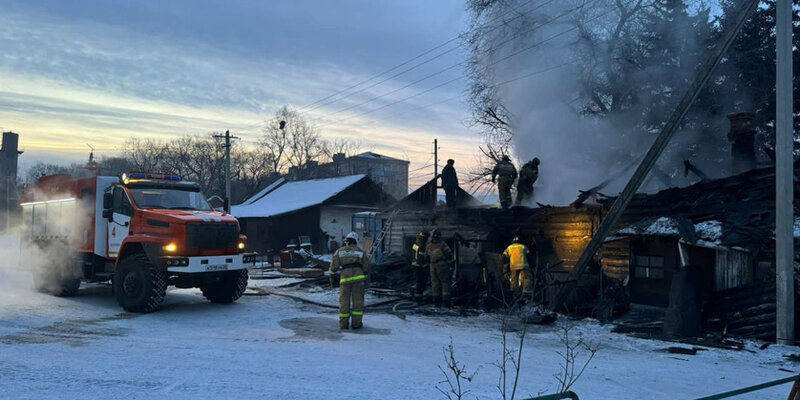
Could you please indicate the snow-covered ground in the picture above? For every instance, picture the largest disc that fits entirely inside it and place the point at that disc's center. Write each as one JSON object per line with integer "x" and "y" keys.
{"x": 270, "y": 347}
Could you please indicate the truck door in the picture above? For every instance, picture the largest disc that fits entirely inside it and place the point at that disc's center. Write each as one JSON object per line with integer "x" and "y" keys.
{"x": 119, "y": 226}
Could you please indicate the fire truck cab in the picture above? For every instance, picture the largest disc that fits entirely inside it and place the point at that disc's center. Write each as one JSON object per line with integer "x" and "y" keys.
{"x": 142, "y": 231}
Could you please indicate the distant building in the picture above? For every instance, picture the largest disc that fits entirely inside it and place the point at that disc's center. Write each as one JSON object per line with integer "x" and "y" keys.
{"x": 388, "y": 172}
{"x": 321, "y": 209}
{"x": 9, "y": 195}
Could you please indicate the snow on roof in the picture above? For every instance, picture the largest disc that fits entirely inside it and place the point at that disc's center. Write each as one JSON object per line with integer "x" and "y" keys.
{"x": 663, "y": 226}
{"x": 293, "y": 196}
{"x": 264, "y": 191}
{"x": 709, "y": 232}
{"x": 376, "y": 156}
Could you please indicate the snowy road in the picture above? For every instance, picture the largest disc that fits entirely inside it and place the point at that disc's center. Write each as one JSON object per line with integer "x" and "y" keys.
{"x": 271, "y": 347}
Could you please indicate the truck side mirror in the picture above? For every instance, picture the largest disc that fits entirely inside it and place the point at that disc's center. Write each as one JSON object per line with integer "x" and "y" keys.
{"x": 108, "y": 214}
{"x": 108, "y": 201}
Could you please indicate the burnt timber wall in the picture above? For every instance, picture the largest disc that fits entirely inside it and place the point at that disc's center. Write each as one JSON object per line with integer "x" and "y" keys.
{"x": 566, "y": 230}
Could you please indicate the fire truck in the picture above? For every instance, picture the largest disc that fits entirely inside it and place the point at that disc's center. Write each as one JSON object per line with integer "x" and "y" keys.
{"x": 141, "y": 231}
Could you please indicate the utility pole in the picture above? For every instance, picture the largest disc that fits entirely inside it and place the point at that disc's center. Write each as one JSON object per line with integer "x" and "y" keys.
{"x": 435, "y": 172}
{"x": 784, "y": 174}
{"x": 227, "y": 138}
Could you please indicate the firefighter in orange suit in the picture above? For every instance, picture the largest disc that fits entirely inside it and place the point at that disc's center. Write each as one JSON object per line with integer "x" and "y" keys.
{"x": 441, "y": 260}
{"x": 517, "y": 268}
{"x": 353, "y": 263}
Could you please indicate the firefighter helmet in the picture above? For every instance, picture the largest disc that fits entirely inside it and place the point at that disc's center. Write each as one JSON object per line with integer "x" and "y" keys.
{"x": 352, "y": 236}
{"x": 436, "y": 235}
{"x": 535, "y": 161}
{"x": 515, "y": 239}
{"x": 423, "y": 234}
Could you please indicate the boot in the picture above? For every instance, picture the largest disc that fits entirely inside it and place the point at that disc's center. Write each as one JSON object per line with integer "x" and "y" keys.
{"x": 344, "y": 323}
{"x": 437, "y": 301}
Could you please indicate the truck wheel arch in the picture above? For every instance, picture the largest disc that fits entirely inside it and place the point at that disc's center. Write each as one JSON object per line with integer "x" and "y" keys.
{"x": 130, "y": 248}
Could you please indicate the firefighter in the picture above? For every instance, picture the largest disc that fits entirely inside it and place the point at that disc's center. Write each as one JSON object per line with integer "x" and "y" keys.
{"x": 528, "y": 174}
{"x": 441, "y": 259}
{"x": 420, "y": 265}
{"x": 504, "y": 174}
{"x": 450, "y": 183}
{"x": 353, "y": 263}
{"x": 517, "y": 268}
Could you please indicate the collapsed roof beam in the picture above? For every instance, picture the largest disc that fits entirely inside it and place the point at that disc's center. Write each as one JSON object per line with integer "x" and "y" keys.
{"x": 704, "y": 74}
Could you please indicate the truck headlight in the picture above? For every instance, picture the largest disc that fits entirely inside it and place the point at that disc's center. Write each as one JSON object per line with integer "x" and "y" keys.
{"x": 241, "y": 245}
{"x": 171, "y": 248}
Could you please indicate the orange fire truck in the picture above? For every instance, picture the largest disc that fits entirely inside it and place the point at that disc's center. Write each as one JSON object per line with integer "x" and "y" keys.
{"x": 142, "y": 231}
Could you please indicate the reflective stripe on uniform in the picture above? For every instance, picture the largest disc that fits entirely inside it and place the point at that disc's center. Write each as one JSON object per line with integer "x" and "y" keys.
{"x": 352, "y": 278}
{"x": 358, "y": 313}
{"x": 343, "y": 315}
{"x": 351, "y": 253}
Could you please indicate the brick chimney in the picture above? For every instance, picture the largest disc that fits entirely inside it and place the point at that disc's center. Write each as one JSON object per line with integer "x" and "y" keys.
{"x": 742, "y": 138}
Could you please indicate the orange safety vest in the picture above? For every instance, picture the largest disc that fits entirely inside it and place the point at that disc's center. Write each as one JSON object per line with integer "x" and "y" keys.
{"x": 518, "y": 256}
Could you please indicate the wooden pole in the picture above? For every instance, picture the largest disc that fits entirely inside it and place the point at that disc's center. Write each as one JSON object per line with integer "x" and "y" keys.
{"x": 784, "y": 174}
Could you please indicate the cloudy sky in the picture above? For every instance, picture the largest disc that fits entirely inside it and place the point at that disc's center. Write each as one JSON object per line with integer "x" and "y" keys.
{"x": 98, "y": 72}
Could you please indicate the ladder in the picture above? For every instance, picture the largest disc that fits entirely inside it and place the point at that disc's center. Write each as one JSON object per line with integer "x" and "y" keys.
{"x": 384, "y": 231}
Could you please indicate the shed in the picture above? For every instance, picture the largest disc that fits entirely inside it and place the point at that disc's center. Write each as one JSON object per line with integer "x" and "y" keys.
{"x": 320, "y": 208}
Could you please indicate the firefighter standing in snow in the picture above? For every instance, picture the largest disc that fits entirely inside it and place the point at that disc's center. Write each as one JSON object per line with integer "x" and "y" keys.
{"x": 353, "y": 263}
{"x": 441, "y": 258}
{"x": 420, "y": 265}
{"x": 504, "y": 173}
{"x": 517, "y": 268}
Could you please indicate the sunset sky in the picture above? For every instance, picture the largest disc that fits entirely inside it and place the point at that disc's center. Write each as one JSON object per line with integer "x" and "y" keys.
{"x": 99, "y": 72}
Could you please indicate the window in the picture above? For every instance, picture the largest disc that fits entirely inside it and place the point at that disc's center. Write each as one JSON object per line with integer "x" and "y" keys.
{"x": 122, "y": 205}
{"x": 651, "y": 267}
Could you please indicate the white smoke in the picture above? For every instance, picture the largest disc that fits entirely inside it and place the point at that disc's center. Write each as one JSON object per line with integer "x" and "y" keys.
{"x": 578, "y": 152}
{"x": 32, "y": 260}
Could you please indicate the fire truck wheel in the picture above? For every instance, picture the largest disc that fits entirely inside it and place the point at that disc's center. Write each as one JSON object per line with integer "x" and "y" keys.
{"x": 228, "y": 289}
{"x": 138, "y": 285}
{"x": 68, "y": 287}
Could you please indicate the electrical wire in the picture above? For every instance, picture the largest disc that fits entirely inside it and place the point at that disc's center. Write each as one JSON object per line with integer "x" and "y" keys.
{"x": 414, "y": 58}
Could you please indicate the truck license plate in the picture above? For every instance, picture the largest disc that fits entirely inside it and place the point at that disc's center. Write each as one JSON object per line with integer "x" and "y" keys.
{"x": 217, "y": 267}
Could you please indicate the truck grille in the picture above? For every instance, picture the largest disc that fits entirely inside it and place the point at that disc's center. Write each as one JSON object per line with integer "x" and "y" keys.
{"x": 205, "y": 236}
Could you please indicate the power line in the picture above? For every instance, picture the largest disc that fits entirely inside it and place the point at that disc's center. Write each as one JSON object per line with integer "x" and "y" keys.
{"x": 317, "y": 105}
{"x": 495, "y": 62}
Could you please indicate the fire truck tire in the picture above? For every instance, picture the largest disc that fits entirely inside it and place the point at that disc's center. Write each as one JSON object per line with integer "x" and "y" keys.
{"x": 139, "y": 286}
{"x": 228, "y": 289}
{"x": 68, "y": 287}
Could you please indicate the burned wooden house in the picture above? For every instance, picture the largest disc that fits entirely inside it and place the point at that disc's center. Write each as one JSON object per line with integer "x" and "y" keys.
{"x": 721, "y": 228}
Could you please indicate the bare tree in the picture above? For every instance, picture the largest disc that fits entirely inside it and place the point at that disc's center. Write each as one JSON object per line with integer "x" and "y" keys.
{"x": 341, "y": 145}
{"x": 290, "y": 140}
{"x": 455, "y": 376}
{"x": 574, "y": 349}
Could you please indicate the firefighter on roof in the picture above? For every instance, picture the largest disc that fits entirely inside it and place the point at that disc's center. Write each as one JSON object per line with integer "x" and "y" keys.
{"x": 528, "y": 175}
{"x": 517, "y": 268}
{"x": 420, "y": 265}
{"x": 441, "y": 260}
{"x": 504, "y": 173}
{"x": 353, "y": 263}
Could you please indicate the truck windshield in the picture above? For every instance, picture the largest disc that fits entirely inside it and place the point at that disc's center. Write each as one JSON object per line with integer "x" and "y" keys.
{"x": 170, "y": 199}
